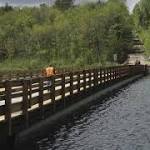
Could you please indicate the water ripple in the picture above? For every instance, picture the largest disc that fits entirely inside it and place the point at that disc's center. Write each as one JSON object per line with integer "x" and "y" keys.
{"x": 121, "y": 123}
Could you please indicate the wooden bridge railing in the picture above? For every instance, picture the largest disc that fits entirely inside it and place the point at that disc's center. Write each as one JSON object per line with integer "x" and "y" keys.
{"x": 29, "y": 74}
{"x": 18, "y": 75}
{"x": 19, "y": 99}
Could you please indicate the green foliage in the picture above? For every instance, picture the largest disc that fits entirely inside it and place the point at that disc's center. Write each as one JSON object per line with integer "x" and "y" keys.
{"x": 142, "y": 13}
{"x": 79, "y": 36}
{"x": 64, "y": 4}
{"x": 141, "y": 17}
{"x": 6, "y": 8}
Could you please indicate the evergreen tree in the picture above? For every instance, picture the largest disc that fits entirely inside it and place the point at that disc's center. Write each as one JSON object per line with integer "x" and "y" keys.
{"x": 7, "y": 7}
{"x": 64, "y": 4}
{"x": 142, "y": 12}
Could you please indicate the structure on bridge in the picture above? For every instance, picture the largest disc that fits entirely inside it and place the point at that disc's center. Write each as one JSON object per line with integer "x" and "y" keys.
{"x": 136, "y": 54}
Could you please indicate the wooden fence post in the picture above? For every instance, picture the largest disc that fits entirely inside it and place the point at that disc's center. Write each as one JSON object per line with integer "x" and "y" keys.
{"x": 30, "y": 92}
{"x": 31, "y": 74}
{"x": 115, "y": 73}
{"x": 63, "y": 89}
{"x": 41, "y": 97}
{"x": 17, "y": 76}
{"x": 112, "y": 73}
{"x": 84, "y": 80}
{"x": 71, "y": 83}
{"x": 100, "y": 78}
{"x": 113, "y": 70}
{"x": 9, "y": 76}
{"x": 78, "y": 80}
{"x": 52, "y": 90}
{"x": 129, "y": 71}
{"x": 89, "y": 78}
{"x": 108, "y": 75}
{"x": 8, "y": 106}
{"x": 104, "y": 76}
{"x": 24, "y": 75}
{"x": 119, "y": 72}
{"x": 25, "y": 102}
{"x": 95, "y": 77}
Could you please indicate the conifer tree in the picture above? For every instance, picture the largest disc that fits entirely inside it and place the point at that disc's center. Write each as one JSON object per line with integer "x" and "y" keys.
{"x": 64, "y": 4}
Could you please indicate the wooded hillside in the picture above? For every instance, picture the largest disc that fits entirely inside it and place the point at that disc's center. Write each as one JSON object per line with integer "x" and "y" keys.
{"x": 76, "y": 36}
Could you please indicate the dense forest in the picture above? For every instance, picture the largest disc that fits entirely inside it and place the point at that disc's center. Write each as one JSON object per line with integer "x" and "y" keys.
{"x": 141, "y": 17}
{"x": 65, "y": 35}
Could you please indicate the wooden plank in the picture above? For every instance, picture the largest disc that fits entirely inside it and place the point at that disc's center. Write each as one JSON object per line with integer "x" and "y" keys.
{"x": 34, "y": 85}
{"x": 2, "y": 110}
{"x": 63, "y": 89}
{"x": 115, "y": 73}
{"x": 90, "y": 78}
{"x": 41, "y": 98}
{"x": 46, "y": 96}
{"x": 58, "y": 83}
{"x": 16, "y": 89}
{"x": 96, "y": 76}
{"x": 16, "y": 95}
{"x": 67, "y": 90}
{"x": 33, "y": 101}
{"x": 17, "y": 107}
{"x": 75, "y": 87}
{"x": 71, "y": 83}
{"x": 58, "y": 76}
{"x": 67, "y": 74}
{"x": 67, "y": 81}
{"x": 52, "y": 89}
{"x": 105, "y": 75}
{"x": 84, "y": 79}
{"x": 2, "y": 84}
{"x": 78, "y": 82}
{"x": 34, "y": 80}
{"x": 25, "y": 102}
{"x": 15, "y": 83}
{"x": 30, "y": 91}
{"x": 20, "y": 93}
{"x": 100, "y": 79}
{"x": 8, "y": 106}
{"x": 110, "y": 73}
{"x": 58, "y": 92}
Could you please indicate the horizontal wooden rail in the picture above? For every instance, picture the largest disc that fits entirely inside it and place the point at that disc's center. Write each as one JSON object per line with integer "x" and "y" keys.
{"x": 27, "y": 74}
{"x": 21, "y": 96}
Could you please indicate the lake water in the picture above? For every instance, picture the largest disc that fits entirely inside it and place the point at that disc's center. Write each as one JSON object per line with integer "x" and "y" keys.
{"x": 121, "y": 122}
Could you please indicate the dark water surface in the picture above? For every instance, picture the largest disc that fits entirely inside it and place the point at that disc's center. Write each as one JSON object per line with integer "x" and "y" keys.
{"x": 122, "y": 122}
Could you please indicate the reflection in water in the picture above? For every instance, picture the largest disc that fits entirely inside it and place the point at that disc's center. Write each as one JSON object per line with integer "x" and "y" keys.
{"x": 121, "y": 123}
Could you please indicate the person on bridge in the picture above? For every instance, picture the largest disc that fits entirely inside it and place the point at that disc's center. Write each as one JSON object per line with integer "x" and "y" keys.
{"x": 137, "y": 62}
{"x": 48, "y": 72}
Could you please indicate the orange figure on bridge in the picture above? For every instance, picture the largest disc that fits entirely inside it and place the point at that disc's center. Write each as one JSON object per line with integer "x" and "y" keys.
{"x": 49, "y": 71}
